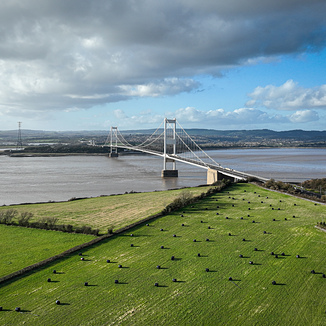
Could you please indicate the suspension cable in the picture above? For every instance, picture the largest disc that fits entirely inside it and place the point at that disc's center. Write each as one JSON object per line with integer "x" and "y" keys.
{"x": 142, "y": 144}
{"x": 184, "y": 147}
{"x": 198, "y": 146}
{"x": 124, "y": 141}
{"x": 191, "y": 150}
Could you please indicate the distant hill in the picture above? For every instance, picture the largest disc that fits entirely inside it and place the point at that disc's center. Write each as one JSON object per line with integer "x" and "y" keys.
{"x": 259, "y": 133}
{"x": 203, "y": 136}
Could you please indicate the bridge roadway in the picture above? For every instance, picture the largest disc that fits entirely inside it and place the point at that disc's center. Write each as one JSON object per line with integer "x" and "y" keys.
{"x": 237, "y": 175}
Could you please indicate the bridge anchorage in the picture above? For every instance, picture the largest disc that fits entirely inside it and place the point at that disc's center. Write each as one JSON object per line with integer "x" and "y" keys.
{"x": 171, "y": 142}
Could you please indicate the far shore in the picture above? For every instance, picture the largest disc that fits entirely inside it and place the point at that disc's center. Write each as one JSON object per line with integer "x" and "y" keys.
{"x": 15, "y": 153}
{"x": 51, "y": 154}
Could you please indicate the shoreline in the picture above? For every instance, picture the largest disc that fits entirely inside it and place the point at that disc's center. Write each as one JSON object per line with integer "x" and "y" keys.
{"x": 30, "y": 154}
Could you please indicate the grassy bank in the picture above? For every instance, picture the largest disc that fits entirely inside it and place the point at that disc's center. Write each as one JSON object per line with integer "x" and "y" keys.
{"x": 104, "y": 212}
{"x": 21, "y": 247}
{"x": 197, "y": 297}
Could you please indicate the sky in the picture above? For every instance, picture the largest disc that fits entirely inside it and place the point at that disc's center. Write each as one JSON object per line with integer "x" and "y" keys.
{"x": 215, "y": 64}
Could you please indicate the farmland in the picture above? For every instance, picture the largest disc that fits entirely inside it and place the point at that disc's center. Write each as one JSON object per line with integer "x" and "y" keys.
{"x": 215, "y": 287}
{"x": 21, "y": 247}
{"x": 107, "y": 211}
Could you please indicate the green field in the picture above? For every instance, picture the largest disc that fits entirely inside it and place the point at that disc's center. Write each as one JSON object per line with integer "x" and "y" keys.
{"x": 197, "y": 297}
{"x": 21, "y": 247}
{"x": 108, "y": 211}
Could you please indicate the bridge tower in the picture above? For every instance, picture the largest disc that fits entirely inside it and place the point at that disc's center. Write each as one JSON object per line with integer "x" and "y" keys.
{"x": 169, "y": 146}
{"x": 114, "y": 142}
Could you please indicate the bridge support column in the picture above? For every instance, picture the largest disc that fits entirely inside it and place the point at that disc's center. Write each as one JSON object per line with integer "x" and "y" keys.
{"x": 169, "y": 174}
{"x": 212, "y": 176}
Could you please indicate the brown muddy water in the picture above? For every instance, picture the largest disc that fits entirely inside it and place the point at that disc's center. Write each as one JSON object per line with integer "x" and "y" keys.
{"x": 42, "y": 179}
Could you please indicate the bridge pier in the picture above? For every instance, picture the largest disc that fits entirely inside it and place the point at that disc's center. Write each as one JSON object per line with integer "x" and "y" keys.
{"x": 214, "y": 175}
{"x": 113, "y": 154}
{"x": 169, "y": 174}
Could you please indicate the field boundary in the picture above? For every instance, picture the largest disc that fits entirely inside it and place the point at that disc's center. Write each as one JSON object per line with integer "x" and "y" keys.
{"x": 64, "y": 254}
{"x": 168, "y": 209}
{"x": 44, "y": 262}
{"x": 51, "y": 259}
{"x": 287, "y": 193}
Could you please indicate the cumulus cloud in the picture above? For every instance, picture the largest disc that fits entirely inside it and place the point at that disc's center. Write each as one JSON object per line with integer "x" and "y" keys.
{"x": 145, "y": 118}
{"x": 169, "y": 86}
{"x": 243, "y": 117}
{"x": 189, "y": 117}
{"x": 289, "y": 96}
{"x": 304, "y": 116}
{"x": 56, "y": 55}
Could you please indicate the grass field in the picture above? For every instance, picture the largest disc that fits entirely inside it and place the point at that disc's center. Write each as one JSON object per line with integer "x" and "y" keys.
{"x": 21, "y": 247}
{"x": 197, "y": 297}
{"x": 103, "y": 212}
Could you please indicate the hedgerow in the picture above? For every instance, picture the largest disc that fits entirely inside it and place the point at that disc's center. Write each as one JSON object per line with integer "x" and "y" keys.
{"x": 293, "y": 190}
{"x": 11, "y": 217}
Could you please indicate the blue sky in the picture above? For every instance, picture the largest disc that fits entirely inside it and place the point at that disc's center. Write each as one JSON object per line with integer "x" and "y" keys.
{"x": 82, "y": 65}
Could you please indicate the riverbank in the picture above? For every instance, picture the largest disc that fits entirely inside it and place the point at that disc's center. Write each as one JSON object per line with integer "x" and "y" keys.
{"x": 106, "y": 211}
{"x": 51, "y": 154}
{"x": 17, "y": 153}
{"x": 32, "y": 154}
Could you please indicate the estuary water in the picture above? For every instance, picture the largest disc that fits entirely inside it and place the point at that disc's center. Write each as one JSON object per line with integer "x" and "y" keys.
{"x": 43, "y": 179}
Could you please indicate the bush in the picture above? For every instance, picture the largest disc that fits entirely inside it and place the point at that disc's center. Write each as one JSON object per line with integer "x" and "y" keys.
{"x": 96, "y": 232}
{"x": 7, "y": 216}
{"x": 281, "y": 186}
{"x": 182, "y": 200}
{"x": 186, "y": 198}
{"x": 68, "y": 228}
{"x": 315, "y": 184}
{"x": 48, "y": 222}
{"x": 24, "y": 218}
{"x": 84, "y": 229}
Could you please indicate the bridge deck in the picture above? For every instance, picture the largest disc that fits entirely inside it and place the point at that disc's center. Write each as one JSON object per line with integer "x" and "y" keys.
{"x": 225, "y": 171}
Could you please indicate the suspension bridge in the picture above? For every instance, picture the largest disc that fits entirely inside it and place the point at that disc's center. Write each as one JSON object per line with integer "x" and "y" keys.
{"x": 171, "y": 142}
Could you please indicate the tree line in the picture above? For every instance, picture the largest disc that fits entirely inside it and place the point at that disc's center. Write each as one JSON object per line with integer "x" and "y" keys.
{"x": 66, "y": 149}
{"x": 317, "y": 185}
{"x": 11, "y": 217}
{"x": 293, "y": 190}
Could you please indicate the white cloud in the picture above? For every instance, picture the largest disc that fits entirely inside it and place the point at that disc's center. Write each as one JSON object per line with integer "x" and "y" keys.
{"x": 220, "y": 117}
{"x": 119, "y": 114}
{"x": 169, "y": 86}
{"x": 304, "y": 116}
{"x": 190, "y": 114}
{"x": 289, "y": 96}
{"x": 243, "y": 117}
{"x": 78, "y": 54}
{"x": 145, "y": 119}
